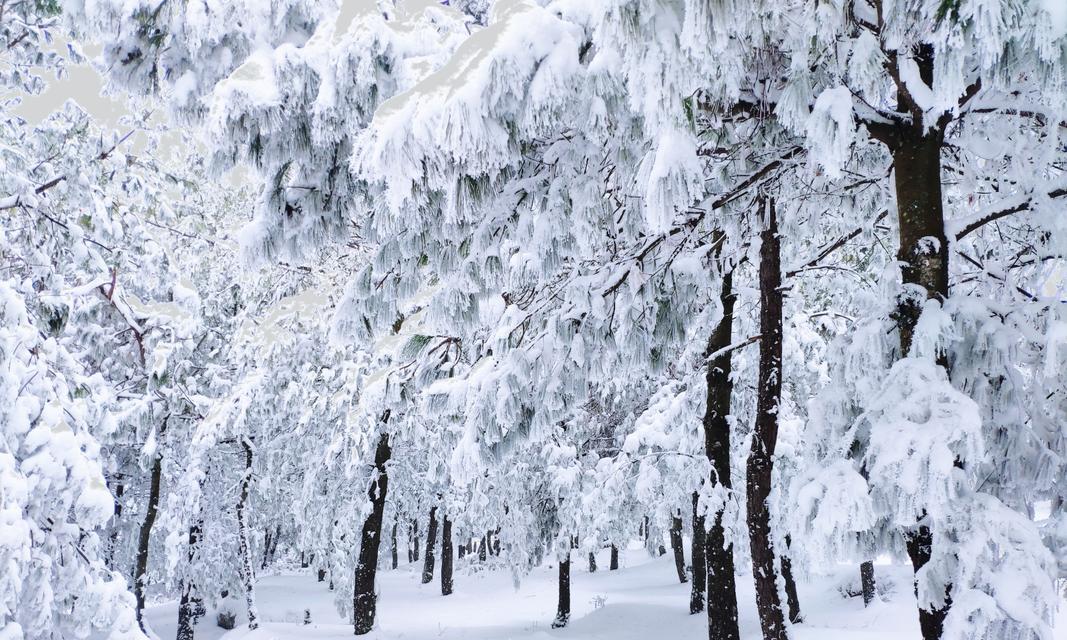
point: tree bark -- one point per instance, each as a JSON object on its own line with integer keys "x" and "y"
{"x": 678, "y": 548}
{"x": 396, "y": 552}
{"x": 268, "y": 555}
{"x": 482, "y": 549}
{"x": 700, "y": 569}
{"x": 592, "y": 562}
{"x": 414, "y": 540}
{"x": 365, "y": 600}
{"x": 411, "y": 538}
{"x": 113, "y": 538}
{"x": 189, "y": 602}
{"x": 144, "y": 536}
{"x": 446, "y": 556}
{"x": 563, "y": 610}
{"x": 614, "y": 558}
{"x": 791, "y": 596}
{"x": 267, "y": 539}
{"x": 867, "y": 585}
{"x": 765, "y": 433}
{"x": 719, "y": 555}
{"x": 431, "y": 542}
{"x": 248, "y": 577}
{"x": 923, "y": 253}
{"x": 917, "y": 168}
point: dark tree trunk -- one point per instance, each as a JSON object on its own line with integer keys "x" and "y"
{"x": 268, "y": 538}
{"x": 365, "y": 600}
{"x": 411, "y": 538}
{"x": 678, "y": 548}
{"x": 446, "y": 556}
{"x": 916, "y": 151}
{"x": 700, "y": 569}
{"x": 917, "y": 168}
{"x": 113, "y": 539}
{"x": 646, "y": 536}
{"x": 245, "y": 548}
{"x": 765, "y": 433}
{"x": 614, "y": 558}
{"x": 431, "y": 542}
{"x": 592, "y": 562}
{"x": 482, "y": 549}
{"x": 268, "y": 554}
{"x": 867, "y": 582}
{"x": 719, "y": 556}
{"x": 496, "y": 542}
{"x": 791, "y": 597}
{"x": 140, "y": 570}
{"x": 462, "y": 550}
{"x": 415, "y": 540}
{"x": 396, "y": 552}
{"x": 489, "y": 542}
{"x": 919, "y": 542}
{"x": 189, "y": 604}
{"x": 563, "y": 611}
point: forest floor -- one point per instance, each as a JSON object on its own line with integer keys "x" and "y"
{"x": 641, "y": 601}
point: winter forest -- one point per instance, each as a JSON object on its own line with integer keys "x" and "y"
{"x": 534, "y": 319}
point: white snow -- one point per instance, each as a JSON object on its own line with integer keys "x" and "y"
{"x": 641, "y": 601}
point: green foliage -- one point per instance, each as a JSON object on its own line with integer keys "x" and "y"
{"x": 415, "y": 345}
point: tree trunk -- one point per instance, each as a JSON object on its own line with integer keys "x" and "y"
{"x": 719, "y": 556}
{"x": 700, "y": 569}
{"x": 267, "y": 539}
{"x": 247, "y": 575}
{"x": 917, "y": 168}
{"x": 791, "y": 597}
{"x": 274, "y": 542}
{"x": 396, "y": 552}
{"x": 189, "y": 602}
{"x": 496, "y": 542}
{"x": 592, "y": 562}
{"x": 482, "y": 549}
{"x": 365, "y": 600}
{"x": 867, "y": 582}
{"x": 446, "y": 556}
{"x": 563, "y": 611}
{"x": 678, "y": 548}
{"x": 140, "y": 570}
{"x": 646, "y": 536}
{"x": 462, "y": 550}
{"x": 916, "y": 153}
{"x": 414, "y": 540}
{"x": 113, "y": 538}
{"x": 411, "y": 538}
{"x": 431, "y": 542}
{"x": 614, "y": 558}
{"x": 765, "y": 433}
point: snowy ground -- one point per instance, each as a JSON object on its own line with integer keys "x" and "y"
{"x": 640, "y": 601}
